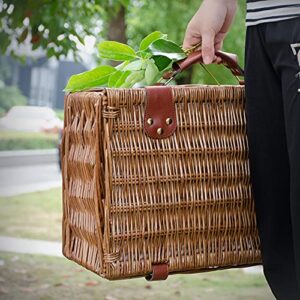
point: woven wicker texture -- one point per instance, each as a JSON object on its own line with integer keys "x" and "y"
{"x": 131, "y": 201}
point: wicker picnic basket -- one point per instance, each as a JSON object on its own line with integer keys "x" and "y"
{"x": 156, "y": 180}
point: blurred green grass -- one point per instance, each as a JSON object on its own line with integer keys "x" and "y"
{"x": 35, "y": 215}
{"x": 31, "y": 277}
{"x": 60, "y": 113}
{"x": 14, "y": 140}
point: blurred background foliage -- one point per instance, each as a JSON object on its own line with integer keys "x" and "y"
{"x": 59, "y": 25}
{"x": 9, "y": 95}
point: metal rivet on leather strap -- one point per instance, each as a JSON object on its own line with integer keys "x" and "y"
{"x": 160, "y": 131}
{"x": 169, "y": 121}
{"x": 150, "y": 121}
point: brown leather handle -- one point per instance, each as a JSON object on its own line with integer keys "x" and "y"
{"x": 229, "y": 60}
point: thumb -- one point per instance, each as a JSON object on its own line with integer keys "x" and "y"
{"x": 208, "y": 46}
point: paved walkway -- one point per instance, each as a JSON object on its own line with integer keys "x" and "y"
{"x": 27, "y": 171}
{"x": 27, "y": 179}
{"x": 29, "y": 246}
{"x": 254, "y": 270}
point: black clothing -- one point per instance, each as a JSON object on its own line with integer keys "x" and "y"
{"x": 272, "y": 77}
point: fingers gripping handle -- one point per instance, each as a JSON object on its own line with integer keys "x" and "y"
{"x": 229, "y": 60}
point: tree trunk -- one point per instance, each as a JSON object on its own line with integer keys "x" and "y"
{"x": 117, "y": 28}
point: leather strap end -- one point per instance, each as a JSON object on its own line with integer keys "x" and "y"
{"x": 159, "y": 272}
{"x": 160, "y": 112}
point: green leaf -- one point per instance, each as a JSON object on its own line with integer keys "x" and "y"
{"x": 23, "y": 35}
{"x": 136, "y": 65}
{"x": 150, "y": 39}
{"x": 122, "y": 65}
{"x": 93, "y": 78}
{"x": 134, "y": 78}
{"x": 113, "y": 78}
{"x": 151, "y": 72}
{"x": 35, "y": 46}
{"x": 118, "y": 78}
{"x": 116, "y": 51}
{"x": 125, "y": 3}
{"x": 161, "y": 62}
{"x": 145, "y": 54}
{"x": 168, "y": 49}
{"x": 50, "y": 52}
{"x": 5, "y": 41}
{"x": 122, "y": 79}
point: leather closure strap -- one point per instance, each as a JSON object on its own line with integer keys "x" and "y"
{"x": 160, "y": 114}
{"x": 159, "y": 272}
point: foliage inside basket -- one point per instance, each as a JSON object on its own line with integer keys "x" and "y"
{"x": 137, "y": 68}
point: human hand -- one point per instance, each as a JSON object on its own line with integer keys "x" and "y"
{"x": 209, "y": 27}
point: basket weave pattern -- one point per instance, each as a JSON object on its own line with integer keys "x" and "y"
{"x": 130, "y": 201}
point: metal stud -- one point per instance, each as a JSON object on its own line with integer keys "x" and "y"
{"x": 150, "y": 121}
{"x": 159, "y": 131}
{"x": 169, "y": 121}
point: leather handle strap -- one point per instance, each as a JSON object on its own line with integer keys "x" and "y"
{"x": 229, "y": 60}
